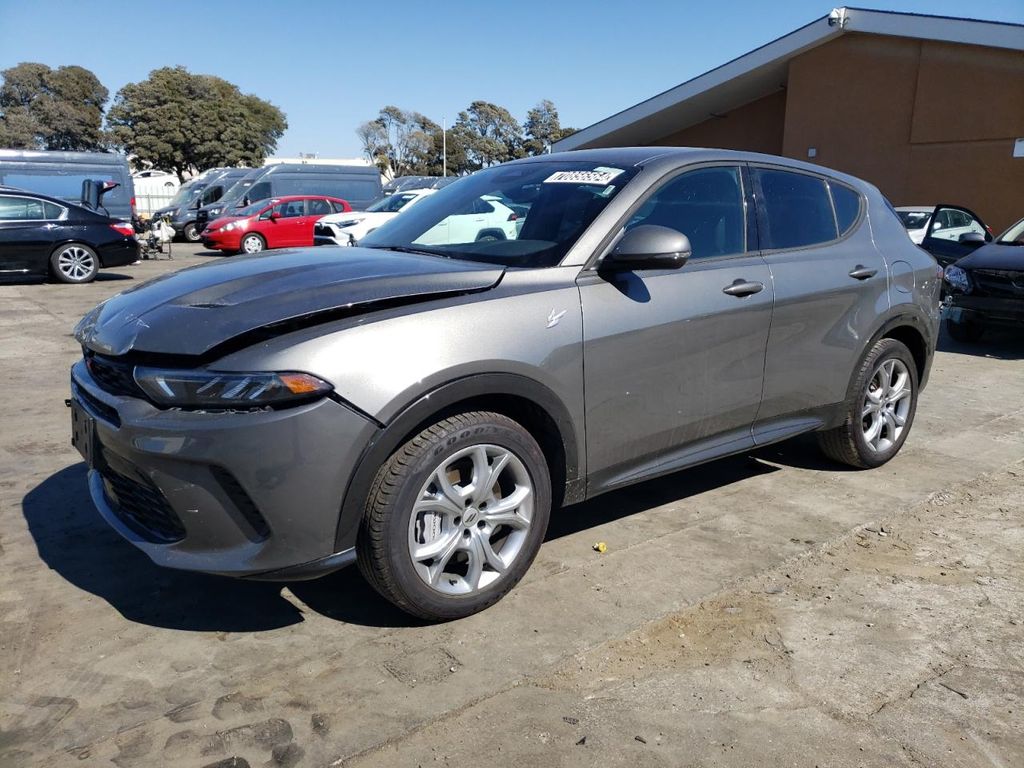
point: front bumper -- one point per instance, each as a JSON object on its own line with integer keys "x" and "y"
{"x": 220, "y": 240}
{"x": 242, "y": 494}
{"x": 988, "y": 309}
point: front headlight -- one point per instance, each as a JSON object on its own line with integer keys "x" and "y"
{"x": 348, "y": 222}
{"x": 958, "y": 278}
{"x": 232, "y": 225}
{"x": 223, "y": 390}
{"x": 214, "y": 211}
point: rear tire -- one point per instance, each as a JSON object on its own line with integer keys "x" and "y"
{"x": 964, "y": 331}
{"x": 436, "y": 540}
{"x": 191, "y": 233}
{"x": 74, "y": 263}
{"x": 880, "y": 407}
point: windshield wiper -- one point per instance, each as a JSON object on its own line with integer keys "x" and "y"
{"x": 404, "y": 249}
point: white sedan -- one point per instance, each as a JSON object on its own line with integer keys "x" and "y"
{"x": 350, "y": 228}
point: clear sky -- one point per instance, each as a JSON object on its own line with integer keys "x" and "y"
{"x": 332, "y": 65}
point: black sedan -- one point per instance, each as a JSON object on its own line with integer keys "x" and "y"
{"x": 987, "y": 287}
{"x": 42, "y": 235}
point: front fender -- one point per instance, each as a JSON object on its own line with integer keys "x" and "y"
{"x": 427, "y": 408}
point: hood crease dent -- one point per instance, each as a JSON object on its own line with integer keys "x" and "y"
{"x": 195, "y": 311}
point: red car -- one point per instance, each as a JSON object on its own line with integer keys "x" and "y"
{"x": 280, "y": 222}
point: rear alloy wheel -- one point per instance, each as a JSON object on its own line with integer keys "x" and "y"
{"x": 880, "y": 408}
{"x": 456, "y": 516}
{"x": 253, "y": 244}
{"x": 191, "y": 233}
{"x": 966, "y": 331}
{"x": 74, "y": 263}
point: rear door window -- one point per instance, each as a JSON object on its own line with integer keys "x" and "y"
{"x": 318, "y": 207}
{"x": 795, "y": 210}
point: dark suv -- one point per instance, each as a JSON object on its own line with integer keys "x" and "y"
{"x": 986, "y": 288}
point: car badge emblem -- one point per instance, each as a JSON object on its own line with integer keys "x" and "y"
{"x": 554, "y": 317}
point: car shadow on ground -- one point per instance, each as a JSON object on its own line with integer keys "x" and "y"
{"x": 997, "y": 344}
{"x": 73, "y": 540}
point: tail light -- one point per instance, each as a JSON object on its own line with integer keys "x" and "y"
{"x": 133, "y": 206}
{"x": 124, "y": 229}
{"x": 512, "y": 217}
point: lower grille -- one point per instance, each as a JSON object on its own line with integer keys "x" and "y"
{"x": 999, "y": 283}
{"x": 141, "y": 506}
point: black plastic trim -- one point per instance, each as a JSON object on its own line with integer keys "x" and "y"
{"x": 426, "y": 407}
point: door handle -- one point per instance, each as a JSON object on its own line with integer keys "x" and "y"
{"x": 860, "y": 272}
{"x": 741, "y": 288}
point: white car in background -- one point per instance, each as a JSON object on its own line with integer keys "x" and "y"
{"x": 485, "y": 218}
{"x": 350, "y": 228}
{"x": 951, "y": 225}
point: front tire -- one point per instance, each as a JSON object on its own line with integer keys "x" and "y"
{"x": 74, "y": 263}
{"x": 456, "y": 516}
{"x": 252, "y": 244}
{"x": 880, "y": 407}
{"x": 191, "y": 233}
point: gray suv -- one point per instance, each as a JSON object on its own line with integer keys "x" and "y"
{"x": 422, "y": 403}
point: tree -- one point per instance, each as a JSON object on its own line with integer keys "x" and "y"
{"x": 398, "y": 141}
{"x": 404, "y": 142}
{"x": 43, "y": 108}
{"x": 185, "y": 122}
{"x": 490, "y": 133}
{"x": 542, "y": 128}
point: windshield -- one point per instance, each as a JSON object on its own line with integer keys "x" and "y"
{"x": 185, "y": 193}
{"x": 1014, "y": 235}
{"x": 520, "y": 215}
{"x": 250, "y": 210}
{"x": 391, "y": 203}
{"x": 914, "y": 219}
{"x": 235, "y": 191}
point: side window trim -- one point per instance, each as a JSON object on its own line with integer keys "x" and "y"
{"x": 861, "y": 207}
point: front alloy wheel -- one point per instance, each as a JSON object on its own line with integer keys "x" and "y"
{"x": 252, "y": 244}
{"x": 472, "y": 519}
{"x": 455, "y": 516}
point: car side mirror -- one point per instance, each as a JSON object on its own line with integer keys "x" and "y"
{"x": 973, "y": 239}
{"x": 268, "y": 215}
{"x": 648, "y": 246}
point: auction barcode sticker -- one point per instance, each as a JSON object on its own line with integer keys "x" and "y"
{"x": 600, "y": 177}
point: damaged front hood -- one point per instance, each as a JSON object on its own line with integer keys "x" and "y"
{"x": 995, "y": 256}
{"x": 192, "y": 311}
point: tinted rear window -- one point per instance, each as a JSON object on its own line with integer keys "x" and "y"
{"x": 796, "y": 210}
{"x": 847, "y": 204}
